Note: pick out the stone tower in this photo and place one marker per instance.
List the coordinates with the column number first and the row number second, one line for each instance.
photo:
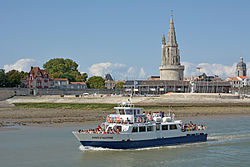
column 241, row 68
column 171, row 68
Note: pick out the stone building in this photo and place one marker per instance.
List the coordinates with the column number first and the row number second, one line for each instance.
column 170, row 68
column 241, row 68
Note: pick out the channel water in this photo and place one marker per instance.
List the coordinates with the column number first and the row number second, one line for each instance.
column 228, row 145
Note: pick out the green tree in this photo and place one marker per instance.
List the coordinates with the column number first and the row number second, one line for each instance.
column 3, row 78
column 64, row 68
column 119, row 85
column 96, row 82
column 13, row 78
column 82, row 77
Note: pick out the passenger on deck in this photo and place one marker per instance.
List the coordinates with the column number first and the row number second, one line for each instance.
column 160, row 114
column 150, row 117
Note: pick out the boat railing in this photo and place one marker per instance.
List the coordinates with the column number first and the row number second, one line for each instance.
column 124, row 104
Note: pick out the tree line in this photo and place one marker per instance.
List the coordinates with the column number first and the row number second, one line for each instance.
column 56, row 68
column 11, row 78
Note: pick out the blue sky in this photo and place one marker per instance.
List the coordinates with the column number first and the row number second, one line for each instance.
column 124, row 36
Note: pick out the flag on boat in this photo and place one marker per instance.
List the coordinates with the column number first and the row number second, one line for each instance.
column 170, row 108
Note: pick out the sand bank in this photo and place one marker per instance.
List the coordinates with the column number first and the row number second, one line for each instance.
column 77, row 112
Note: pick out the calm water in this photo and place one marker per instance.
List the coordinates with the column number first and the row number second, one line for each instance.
column 228, row 145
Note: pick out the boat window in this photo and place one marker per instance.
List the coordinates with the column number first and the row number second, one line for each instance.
column 129, row 112
column 164, row 127
column 158, row 127
column 134, row 112
column 119, row 128
column 149, row 128
column 138, row 112
column 121, row 112
column 142, row 129
column 135, row 129
column 173, row 127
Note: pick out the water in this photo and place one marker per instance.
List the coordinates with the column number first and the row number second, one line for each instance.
column 228, row 145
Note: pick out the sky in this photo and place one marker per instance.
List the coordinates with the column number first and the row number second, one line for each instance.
column 124, row 37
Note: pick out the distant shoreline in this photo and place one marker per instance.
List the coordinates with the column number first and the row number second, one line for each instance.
column 53, row 114
column 55, row 110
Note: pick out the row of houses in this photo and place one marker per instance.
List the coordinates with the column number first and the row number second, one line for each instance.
column 38, row 78
column 239, row 82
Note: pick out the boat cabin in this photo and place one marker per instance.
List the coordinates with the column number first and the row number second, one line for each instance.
column 126, row 113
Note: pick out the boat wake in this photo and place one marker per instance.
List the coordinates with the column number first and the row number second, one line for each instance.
column 89, row 148
column 228, row 137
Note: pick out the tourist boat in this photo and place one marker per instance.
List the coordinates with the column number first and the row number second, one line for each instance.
column 130, row 128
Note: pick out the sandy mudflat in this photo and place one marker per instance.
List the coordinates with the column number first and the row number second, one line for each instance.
column 41, row 116
column 189, row 106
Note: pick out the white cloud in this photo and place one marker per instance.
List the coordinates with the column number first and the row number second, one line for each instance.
column 118, row 71
column 103, row 68
column 190, row 69
column 248, row 68
column 142, row 73
column 212, row 69
column 20, row 65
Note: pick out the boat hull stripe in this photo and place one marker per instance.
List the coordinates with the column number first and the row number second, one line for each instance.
column 145, row 143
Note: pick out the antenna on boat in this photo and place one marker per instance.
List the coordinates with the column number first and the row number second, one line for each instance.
column 130, row 99
column 169, row 111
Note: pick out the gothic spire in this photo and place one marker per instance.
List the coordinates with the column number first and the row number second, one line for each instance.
column 171, row 40
column 163, row 41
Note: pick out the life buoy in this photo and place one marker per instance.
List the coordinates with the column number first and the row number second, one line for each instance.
column 109, row 119
column 117, row 120
column 140, row 119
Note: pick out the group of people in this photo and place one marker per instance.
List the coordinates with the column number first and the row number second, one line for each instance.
column 99, row 130
column 150, row 116
column 192, row 127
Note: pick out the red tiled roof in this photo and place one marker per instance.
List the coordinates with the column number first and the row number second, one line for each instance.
column 60, row 79
column 232, row 79
column 75, row 83
column 115, row 82
column 243, row 77
column 44, row 72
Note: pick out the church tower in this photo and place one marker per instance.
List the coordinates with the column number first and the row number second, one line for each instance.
column 241, row 68
column 171, row 68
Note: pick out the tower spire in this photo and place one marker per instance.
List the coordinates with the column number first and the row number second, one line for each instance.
column 171, row 40
column 163, row 41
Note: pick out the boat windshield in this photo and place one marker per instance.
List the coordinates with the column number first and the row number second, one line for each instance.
column 121, row 112
column 129, row 112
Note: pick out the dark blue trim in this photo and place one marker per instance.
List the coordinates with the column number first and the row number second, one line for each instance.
column 146, row 143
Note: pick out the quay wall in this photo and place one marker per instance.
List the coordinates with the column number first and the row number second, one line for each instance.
column 6, row 93
column 202, row 95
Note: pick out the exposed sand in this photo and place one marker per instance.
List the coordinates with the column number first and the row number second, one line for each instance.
column 176, row 99
column 38, row 116
column 191, row 106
